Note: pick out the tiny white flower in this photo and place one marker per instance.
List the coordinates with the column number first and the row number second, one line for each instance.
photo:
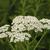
column 46, row 26
column 44, row 20
column 11, row 39
column 4, row 28
column 47, row 23
column 26, row 38
column 16, row 40
column 16, row 37
column 3, row 35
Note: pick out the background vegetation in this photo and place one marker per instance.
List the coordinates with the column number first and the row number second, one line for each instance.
column 11, row 8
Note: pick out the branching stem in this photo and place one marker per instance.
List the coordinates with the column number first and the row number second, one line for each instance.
column 40, row 40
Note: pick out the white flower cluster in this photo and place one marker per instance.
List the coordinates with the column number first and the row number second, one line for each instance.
column 3, row 35
column 46, row 23
column 22, row 23
column 3, row 29
column 16, row 37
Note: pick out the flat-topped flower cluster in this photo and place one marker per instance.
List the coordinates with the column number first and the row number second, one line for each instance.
column 20, row 25
column 46, row 23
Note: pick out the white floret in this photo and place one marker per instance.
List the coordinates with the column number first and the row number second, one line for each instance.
column 3, row 35
column 47, row 23
column 4, row 28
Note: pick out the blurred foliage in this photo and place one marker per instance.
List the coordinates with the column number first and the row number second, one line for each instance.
column 38, row 8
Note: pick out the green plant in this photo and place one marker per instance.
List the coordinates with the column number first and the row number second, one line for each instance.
column 38, row 8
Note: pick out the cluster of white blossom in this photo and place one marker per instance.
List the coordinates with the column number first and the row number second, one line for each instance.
column 46, row 23
column 3, row 29
column 3, row 35
column 20, row 36
column 20, row 25
column 14, row 36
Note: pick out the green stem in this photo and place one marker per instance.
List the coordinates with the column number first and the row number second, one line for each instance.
column 23, row 2
column 33, row 40
column 27, row 45
column 21, row 44
column 39, row 40
column 37, row 5
column 23, row 47
column 12, row 47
